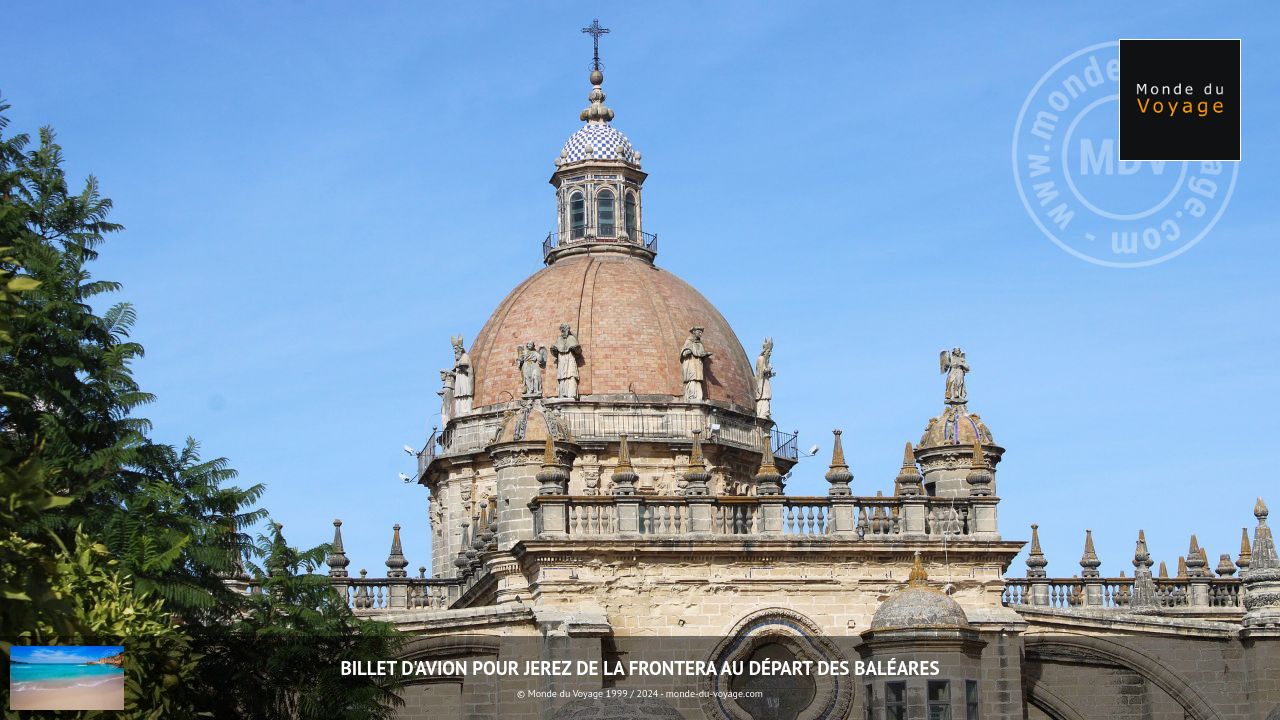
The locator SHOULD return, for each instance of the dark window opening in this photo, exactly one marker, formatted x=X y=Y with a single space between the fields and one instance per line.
x=939 y=699
x=577 y=216
x=895 y=701
x=604 y=214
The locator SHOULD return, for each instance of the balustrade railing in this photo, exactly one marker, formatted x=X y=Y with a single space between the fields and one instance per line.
x=863 y=518
x=1117 y=593
x=370 y=594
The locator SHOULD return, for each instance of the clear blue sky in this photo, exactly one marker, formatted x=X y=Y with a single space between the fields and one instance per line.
x=318 y=194
x=63 y=654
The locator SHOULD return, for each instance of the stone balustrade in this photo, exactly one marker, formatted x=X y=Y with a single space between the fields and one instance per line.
x=862 y=518
x=1117 y=593
x=372 y=595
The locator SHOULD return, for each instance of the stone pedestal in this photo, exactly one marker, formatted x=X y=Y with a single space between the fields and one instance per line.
x=842 y=510
x=771 y=507
x=700 y=513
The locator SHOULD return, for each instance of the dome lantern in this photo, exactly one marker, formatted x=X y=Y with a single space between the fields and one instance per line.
x=598 y=183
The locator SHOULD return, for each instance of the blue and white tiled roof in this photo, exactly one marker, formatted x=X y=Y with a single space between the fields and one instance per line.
x=598 y=141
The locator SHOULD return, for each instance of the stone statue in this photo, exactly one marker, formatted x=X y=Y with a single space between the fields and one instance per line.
x=446 y=397
x=463 y=383
x=764 y=380
x=952 y=363
x=566 y=350
x=693 y=359
x=531 y=360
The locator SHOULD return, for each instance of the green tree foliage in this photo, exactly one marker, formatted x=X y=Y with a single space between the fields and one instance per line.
x=107 y=535
x=300 y=626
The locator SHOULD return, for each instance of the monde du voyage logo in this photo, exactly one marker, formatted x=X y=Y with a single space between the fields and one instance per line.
x=1124 y=152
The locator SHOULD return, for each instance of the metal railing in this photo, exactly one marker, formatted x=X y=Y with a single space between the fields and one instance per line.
x=786 y=445
x=429 y=451
x=615 y=234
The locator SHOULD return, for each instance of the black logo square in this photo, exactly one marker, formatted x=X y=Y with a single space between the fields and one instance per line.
x=1179 y=99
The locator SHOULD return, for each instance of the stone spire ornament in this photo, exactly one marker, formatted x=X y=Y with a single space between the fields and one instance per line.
x=460 y=561
x=979 y=477
x=696 y=476
x=1264 y=547
x=552 y=479
x=1036 y=561
x=918 y=577
x=1262 y=581
x=910 y=482
x=768 y=479
x=1144 y=588
x=395 y=560
x=1246 y=553
x=337 y=560
x=1164 y=571
x=1089 y=561
x=624 y=476
x=1225 y=568
x=1196 y=563
x=838 y=474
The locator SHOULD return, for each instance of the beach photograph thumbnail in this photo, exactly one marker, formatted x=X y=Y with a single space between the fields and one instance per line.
x=66 y=677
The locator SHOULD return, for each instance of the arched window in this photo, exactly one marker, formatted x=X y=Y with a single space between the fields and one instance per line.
x=632 y=217
x=605 y=215
x=577 y=216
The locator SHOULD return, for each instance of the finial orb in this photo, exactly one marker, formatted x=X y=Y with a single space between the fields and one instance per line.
x=597 y=77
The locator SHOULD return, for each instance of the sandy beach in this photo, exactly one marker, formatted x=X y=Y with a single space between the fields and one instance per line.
x=94 y=693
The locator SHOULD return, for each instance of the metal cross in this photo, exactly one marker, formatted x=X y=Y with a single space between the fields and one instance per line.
x=595 y=31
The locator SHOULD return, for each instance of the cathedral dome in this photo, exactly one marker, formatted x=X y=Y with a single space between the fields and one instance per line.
x=598 y=141
x=631 y=318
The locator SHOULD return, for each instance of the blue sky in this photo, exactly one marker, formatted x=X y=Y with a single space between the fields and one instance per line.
x=318 y=195
x=64 y=654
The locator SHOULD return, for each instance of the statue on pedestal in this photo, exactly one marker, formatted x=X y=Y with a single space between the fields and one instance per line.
x=531 y=360
x=693 y=359
x=953 y=364
x=764 y=380
x=566 y=350
x=447 y=378
x=463 y=383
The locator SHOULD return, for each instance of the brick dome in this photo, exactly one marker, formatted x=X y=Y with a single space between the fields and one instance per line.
x=631 y=319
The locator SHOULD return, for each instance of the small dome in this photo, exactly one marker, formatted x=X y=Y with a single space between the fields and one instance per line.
x=598 y=141
x=919 y=607
x=955 y=426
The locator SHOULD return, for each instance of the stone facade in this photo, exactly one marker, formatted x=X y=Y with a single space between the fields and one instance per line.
x=632 y=521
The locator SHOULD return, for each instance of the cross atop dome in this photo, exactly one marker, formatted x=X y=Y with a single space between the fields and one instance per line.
x=595 y=31
x=597 y=112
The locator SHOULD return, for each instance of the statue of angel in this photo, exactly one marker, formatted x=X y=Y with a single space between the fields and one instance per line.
x=531 y=360
x=953 y=364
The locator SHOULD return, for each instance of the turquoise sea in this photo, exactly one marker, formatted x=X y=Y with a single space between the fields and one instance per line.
x=57 y=674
